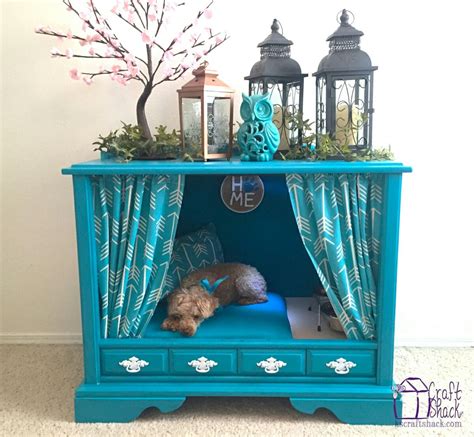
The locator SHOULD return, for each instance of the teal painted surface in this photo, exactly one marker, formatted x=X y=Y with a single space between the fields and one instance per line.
x=355 y=412
x=365 y=363
x=355 y=404
x=388 y=278
x=136 y=220
x=237 y=341
x=157 y=362
x=339 y=219
x=283 y=261
x=265 y=321
x=356 y=399
x=295 y=362
x=88 y=279
x=121 y=410
x=258 y=137
x=226 y=362
x=113 y=166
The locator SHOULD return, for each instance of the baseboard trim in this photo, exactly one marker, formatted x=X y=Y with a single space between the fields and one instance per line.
x=40 y=338
x=435 y=343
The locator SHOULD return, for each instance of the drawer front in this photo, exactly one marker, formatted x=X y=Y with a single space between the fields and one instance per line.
x=203 y=362
x=340 y=364
x=272 y=362
x=134 y=362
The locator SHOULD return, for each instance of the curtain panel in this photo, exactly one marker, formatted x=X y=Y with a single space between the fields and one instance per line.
x=135 y=225
x=339 y=220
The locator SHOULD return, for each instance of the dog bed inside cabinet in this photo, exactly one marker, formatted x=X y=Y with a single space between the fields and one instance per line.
x=279 y=318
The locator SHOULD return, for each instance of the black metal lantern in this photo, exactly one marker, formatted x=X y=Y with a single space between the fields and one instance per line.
x=280 y=76
x=344 y=89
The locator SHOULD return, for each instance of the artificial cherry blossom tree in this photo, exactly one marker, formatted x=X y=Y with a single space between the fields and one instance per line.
x=137 y=40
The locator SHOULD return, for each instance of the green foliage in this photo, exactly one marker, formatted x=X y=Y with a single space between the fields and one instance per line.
x=129 y=143
x=327 y=147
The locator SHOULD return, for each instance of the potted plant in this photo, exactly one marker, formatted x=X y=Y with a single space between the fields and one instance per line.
x=156 y=49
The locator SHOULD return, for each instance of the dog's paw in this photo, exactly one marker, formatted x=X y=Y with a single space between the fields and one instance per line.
x=168 y=325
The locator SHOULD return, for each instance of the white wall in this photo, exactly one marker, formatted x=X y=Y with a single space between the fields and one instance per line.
x=424 y=105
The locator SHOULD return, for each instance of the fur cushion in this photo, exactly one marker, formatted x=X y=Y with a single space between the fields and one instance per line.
x=192 y=252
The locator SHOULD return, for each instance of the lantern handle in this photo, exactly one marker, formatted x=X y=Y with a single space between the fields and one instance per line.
x=276 y=26
x=342 y=17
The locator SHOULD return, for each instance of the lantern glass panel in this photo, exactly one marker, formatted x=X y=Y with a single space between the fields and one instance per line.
x=350 y=110
x=218 y=124
x=191 y=107
x=285 y=97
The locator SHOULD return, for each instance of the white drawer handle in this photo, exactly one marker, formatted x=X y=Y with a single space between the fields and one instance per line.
x=341 y=366
x=271 y=365
x=202 y=365
x=133 y=364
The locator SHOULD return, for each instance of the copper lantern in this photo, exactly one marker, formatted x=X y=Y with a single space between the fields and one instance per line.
x=206 y=112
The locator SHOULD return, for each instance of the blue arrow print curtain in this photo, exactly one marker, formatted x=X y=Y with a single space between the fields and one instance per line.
x=339 y=219
x=135 y=223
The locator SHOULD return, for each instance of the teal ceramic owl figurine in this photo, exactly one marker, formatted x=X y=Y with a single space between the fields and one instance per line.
x=258 y=137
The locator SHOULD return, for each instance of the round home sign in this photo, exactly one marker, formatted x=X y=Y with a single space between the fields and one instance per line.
x=242 y=193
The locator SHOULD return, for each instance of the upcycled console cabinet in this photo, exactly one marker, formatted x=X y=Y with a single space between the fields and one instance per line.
x=242 y=351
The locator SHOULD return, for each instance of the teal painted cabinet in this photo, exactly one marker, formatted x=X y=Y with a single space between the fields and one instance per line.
x=239 y=356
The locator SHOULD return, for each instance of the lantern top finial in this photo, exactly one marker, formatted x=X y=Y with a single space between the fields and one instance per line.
x=275 y=26
x=344 y=18
x=275 y=38
x=344 y=48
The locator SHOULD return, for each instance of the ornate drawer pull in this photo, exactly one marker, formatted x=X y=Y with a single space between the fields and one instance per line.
x=202 y=365
x=341 y=366
x=133 y=364
x=271 y=365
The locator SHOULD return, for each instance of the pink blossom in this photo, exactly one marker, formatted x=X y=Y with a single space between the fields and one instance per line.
x=115 y=68
x=147 y=38
x=167 y=71
x=74 y=74
x=91 y=51
x=119 y=78
x=187 y=63
x=130 y=58
x=171 y=6
x=55 y=52
x=133 y=70
x=109 y=51
x=152 y=16
x=219 y=39
x=115 y=8
x=85 y=15
x=87 y=80
x=69 y=53
x=168 y=56
x=69 y=34
x=208 y=14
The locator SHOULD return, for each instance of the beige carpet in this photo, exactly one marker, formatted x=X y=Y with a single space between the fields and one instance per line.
x=37 y=384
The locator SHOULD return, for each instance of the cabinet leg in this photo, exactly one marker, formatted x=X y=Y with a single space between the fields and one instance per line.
x=121 y=409
x=352 y=411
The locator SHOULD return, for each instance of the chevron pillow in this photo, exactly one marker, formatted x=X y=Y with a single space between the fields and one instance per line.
x=192 y=252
